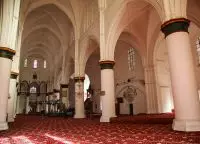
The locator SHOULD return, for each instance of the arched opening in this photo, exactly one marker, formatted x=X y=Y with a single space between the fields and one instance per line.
x=129 y=77
x=144 y=29
x=86 y=86
x=92 y=68
x=46 y=33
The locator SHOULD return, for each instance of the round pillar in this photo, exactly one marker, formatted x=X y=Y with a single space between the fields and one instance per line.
x=14 y=76
x=27 y=105
x=107 y=86
x=38 y=106
x=6 y=55
x=47 y=104
x=64 y=95
x=12 y=97
x=184 y=86
x=79 y=97
x=17 y=104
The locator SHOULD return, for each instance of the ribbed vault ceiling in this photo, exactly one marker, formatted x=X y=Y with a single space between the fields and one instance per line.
x=45 y=33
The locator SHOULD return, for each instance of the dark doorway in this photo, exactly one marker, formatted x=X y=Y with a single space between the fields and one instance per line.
x=131 y=109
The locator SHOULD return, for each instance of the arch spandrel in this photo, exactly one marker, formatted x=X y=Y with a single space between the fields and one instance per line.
x=122 y=19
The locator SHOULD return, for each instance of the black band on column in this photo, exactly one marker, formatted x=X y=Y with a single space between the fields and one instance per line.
x=79 y=79
x=175 y=25
x=7 y=53
x=13 y=75
x=64 y=85
x=49 y=93
x=107 y=64
x=56 y=91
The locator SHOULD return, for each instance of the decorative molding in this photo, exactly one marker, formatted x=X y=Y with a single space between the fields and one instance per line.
x=13 y=75
x=175 y=25
x=108 y=64
x=79 y=79
x=7 y=52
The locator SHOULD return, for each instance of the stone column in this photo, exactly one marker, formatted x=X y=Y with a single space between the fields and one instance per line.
x=57 y=97
x=17 y=104
x=27 y=104
x=15 y=100
x=51 y=99
x=64 y=95
x=150 y=86
x=6 y=55
x=79 y=97
x=107 y=85
x=38 y=107
x=12 y=97
x=47 y=104
x=184 y=86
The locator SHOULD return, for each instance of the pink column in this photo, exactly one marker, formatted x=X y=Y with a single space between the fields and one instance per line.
x=6 y=55
x=184 y=86
x=107 y=85
x=12 y=94
x=79 y=97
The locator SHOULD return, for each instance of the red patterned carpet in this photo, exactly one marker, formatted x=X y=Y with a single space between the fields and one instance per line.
x=142 y=129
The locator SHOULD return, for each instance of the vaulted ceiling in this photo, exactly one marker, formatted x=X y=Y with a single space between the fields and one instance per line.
x=45 y=32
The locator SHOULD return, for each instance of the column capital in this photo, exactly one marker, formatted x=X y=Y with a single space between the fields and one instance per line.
x=175 y=25
x=7 y=52
x=106 y=64
x=79 y=79
x=13 y=75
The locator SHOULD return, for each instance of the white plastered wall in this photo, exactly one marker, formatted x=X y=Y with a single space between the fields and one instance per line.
x=122 y=74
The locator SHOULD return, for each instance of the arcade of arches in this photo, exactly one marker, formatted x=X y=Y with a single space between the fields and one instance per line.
x=140 y=57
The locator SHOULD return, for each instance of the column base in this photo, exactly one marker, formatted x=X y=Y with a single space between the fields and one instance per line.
x=3 y=126
x=152 y=112
x=106 y=118
x=79 y=116
x=11 y=118
x=186 y=125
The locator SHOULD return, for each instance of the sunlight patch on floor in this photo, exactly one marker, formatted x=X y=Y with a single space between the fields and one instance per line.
x=22 y=139
x=4 y=141
x=59 y=139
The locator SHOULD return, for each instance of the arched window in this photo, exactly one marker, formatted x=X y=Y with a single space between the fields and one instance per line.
x=25 y=63
x=45 y=64
x=35 y=64
x=198 y=49
x=131 y=59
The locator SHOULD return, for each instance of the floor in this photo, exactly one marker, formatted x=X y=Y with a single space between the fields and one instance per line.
x=141 y=129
